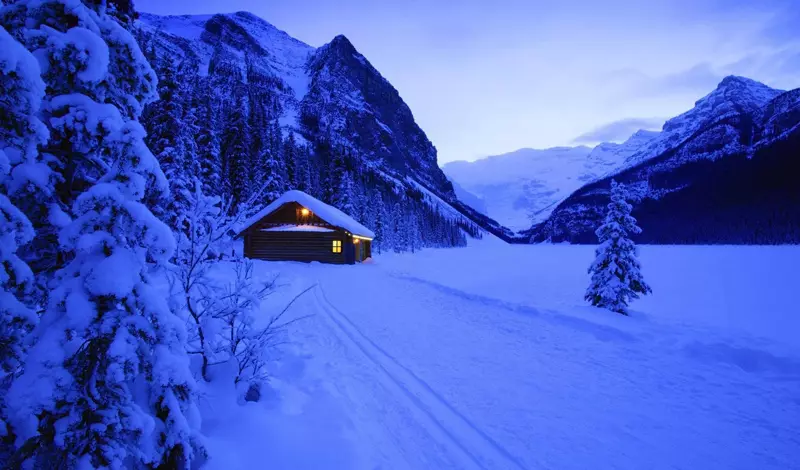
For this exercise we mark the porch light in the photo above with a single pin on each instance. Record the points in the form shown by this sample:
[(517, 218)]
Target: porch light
[(304, 212), (356, 240)]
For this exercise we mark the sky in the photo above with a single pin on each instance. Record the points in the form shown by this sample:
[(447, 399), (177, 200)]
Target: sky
[(485, 78)]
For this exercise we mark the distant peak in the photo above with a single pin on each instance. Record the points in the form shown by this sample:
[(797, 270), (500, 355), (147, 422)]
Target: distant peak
[(733, 81), (644, 133), (341, 42)]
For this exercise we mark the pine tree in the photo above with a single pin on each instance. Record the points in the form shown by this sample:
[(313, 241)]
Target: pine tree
[(272, 186), (169, 141), (290, 157), (616, 278), (105, 330), (380, 222), (21, 93), (208, 143), (236, 153)]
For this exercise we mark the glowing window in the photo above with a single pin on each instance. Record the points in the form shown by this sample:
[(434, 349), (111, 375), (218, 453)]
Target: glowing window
[(337, 246)]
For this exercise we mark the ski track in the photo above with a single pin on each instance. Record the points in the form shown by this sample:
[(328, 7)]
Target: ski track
[(464, 436)]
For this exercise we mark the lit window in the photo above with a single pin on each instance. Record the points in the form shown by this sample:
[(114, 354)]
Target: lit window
[(337, 246)]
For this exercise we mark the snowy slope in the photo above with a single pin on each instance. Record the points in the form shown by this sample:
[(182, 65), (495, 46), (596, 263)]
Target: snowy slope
[(468, 198), (526, 185), (488, 358), (280, 56)]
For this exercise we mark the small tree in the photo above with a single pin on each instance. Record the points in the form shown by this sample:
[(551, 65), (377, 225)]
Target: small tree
[(616, 278), (221, 316)]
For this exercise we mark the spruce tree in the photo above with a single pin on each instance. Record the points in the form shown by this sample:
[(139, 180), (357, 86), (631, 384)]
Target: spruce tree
[(21, 92), (107, 382), (236, 153), (616, 276)]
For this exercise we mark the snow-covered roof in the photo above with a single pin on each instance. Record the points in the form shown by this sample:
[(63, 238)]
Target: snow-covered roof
[(325, 212), (297, 228)]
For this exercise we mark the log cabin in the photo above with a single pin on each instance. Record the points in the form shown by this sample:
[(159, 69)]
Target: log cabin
[(298, 227)]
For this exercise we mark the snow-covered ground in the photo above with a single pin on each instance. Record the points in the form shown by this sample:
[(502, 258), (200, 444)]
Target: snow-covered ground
[(487, 357)]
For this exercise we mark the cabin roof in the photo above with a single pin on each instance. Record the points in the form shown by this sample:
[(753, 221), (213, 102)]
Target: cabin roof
[(297, 228), (324, 211)]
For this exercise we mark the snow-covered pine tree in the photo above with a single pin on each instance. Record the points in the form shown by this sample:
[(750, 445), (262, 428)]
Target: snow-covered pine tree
[(208, 144), (345, 195), (616, 276), (380, 221), (400, 236), (107, 381), (21, 92), (272, 186), (236, 153), (291, 157), (303, 166), (167, 139)]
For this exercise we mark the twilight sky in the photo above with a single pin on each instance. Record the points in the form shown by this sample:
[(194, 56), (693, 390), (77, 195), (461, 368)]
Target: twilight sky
[(484, 78)]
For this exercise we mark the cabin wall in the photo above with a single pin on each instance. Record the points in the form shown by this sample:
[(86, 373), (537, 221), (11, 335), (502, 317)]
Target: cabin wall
[(296, 246)]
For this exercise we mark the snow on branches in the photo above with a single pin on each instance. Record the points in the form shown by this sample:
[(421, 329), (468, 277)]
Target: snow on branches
[(107, 381), (616, 276)]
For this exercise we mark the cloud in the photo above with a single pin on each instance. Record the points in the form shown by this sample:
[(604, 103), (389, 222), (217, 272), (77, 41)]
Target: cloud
[(618, 130)]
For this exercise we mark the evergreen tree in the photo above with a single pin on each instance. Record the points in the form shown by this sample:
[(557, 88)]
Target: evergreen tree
[(291, 157), (345, 196), (21, 92), (170, 141), (105, 330), (236, 152), (616, 278), (208, 144)]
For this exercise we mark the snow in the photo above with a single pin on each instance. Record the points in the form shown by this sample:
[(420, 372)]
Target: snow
[(488, 357), (327, 213), (297, 228), (286, 57), (523, 187)]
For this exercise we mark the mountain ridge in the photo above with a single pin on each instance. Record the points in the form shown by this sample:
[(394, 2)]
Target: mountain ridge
[(525, 185), (719, 175)]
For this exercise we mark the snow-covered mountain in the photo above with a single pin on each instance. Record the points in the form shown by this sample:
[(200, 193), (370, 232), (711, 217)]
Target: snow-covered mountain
[(468, 198), (722, 172), (331, 97), (526, 185), (733, 96)]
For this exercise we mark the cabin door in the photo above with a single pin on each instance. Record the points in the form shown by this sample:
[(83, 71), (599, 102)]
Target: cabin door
[(359, 251)]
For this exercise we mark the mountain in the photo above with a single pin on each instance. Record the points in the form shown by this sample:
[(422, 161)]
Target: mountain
[(322, 120), (468, 198), (722, 172), (527, 184)]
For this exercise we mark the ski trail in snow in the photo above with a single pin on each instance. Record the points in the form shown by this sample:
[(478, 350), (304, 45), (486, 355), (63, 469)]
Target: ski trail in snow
[(467, 438)]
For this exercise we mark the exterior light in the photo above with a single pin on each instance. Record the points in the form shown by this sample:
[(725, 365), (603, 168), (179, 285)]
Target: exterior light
[(304, 211), (356, 240)]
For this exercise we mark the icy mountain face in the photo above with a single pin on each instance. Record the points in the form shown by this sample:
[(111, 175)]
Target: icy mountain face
[(331, 97), (524, 186), (350, 99), (239, 45), (607, 156), (724, 178), (733, 96)]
